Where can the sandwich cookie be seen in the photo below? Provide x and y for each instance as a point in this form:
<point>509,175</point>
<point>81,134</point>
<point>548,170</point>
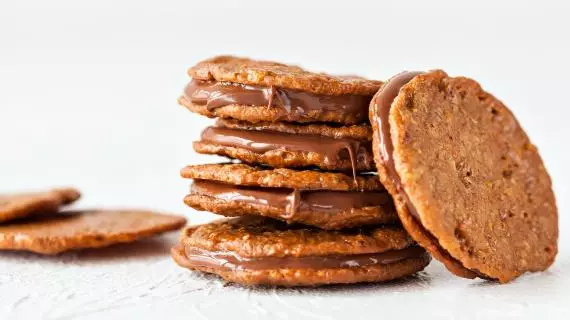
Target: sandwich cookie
<point>260,251</point>
<point>468,184</point>
<point>282,145</point>
<point>254,91</point>
<point>22,205</point>
<point>84,229</point>
<point>323,199</point>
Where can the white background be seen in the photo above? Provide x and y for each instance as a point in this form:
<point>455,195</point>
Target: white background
<point>88,98</point>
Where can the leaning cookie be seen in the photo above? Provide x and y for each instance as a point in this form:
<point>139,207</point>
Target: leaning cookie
<point>322,199</point>
<point>254,91</point>
<point>22,205</point>
<point>84,229</point>
<point>259,251</point>
<point>468,184</point>
<point>341,149</point>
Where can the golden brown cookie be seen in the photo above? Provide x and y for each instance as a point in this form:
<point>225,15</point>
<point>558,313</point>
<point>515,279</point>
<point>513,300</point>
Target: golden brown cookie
<point>21,205</point>
<point>254,91</point>
<point>259,251</point>
<point>279,150</point>
<point>361,132</point>
<point>468,184</point>
<point>269,73</point>
<point>290,196</point>
<point>84,229</point>
<point>255,176</point>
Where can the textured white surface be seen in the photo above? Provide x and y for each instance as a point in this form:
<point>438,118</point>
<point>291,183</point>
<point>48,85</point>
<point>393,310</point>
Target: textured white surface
<point>87,97</point>
<point>141,281</point>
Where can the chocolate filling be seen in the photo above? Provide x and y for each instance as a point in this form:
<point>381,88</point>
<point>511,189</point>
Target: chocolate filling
<point>215,94</point>
<point>383,102</point>
<point>292,201</point>
<point>233,262</point>
<point>264,141</point>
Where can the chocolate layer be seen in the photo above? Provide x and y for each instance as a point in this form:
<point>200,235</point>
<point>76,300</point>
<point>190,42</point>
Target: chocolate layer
<point>215,94</point>
<point>231,261</point>
<point>383,101</point>
<point>262,141</point>
<point>292,201</point>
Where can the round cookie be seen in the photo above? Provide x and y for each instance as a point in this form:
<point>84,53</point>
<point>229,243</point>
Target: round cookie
<point>361,132</point>
<point>22,205</point>
<point>288,195</point>
<point>468,184</point>
<point>254,91</point>
<point>246,175</point>
<point>259,251</point>
<point>85,229</point>
<point>270,73</point>
<point>279,149</point>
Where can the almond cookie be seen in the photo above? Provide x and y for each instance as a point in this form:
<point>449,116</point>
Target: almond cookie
<point>468,184</point>
<point>260,251</point>
<point>360,132</point>
<point>84,229</point>
<point>289,195</point>
<point>254,91</point>
<point>21,205</point>
<point>279,149</point>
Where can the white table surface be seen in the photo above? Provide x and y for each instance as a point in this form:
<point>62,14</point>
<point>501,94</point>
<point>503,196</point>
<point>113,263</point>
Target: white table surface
<point>114,283</point>
<point>87,98</point>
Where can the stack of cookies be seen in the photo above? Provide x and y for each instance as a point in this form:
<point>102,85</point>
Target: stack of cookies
<point>324,192</point>
<point>309,207</point>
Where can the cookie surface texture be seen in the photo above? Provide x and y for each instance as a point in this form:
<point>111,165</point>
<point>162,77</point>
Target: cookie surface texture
<point>84,229</point>
<point>468,184</point>
<point>22,205</point>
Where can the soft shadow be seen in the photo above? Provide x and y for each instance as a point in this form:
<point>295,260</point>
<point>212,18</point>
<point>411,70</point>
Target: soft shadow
<point>418,281</point>
<point>146,248</point>
<point>527,277</point>
<point>142,249</point>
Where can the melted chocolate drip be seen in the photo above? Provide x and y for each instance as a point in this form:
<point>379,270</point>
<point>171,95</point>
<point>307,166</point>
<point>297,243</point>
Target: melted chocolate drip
<point>215,94</point>
<point>383,102</point>
<point>263,141</point>
<point>292,200</point>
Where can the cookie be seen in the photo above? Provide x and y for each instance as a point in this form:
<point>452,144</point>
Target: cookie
<point>361,132</point>
<point>21,205</point>
<point>255,176</point>
<point>259,251</point>
<point>290,200</point>
<point>468,184</point>
<point>279,149</point>
<point>254,91</point>
<point>84,229</point>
